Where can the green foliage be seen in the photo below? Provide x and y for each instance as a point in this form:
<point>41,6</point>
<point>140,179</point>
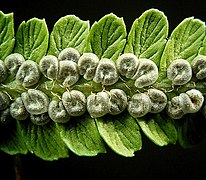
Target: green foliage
<point>184,43</point>
<point>159,129</point>
<point>44,141</point>
<point>121,133</point>
<point>81,136</point>
<point>147,37</point>
<point>32,39</point>
<point>7,39</point>
<point>69,31</point>
<point>107,38</point>
<point>12,141</point>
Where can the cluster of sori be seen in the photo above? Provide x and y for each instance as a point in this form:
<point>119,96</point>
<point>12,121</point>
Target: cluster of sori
<point>180,72</point>
<point>189,102</point>
<point>69,66</point>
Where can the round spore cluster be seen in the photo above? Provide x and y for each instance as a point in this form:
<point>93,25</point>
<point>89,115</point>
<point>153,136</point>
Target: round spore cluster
<point>41,105</point>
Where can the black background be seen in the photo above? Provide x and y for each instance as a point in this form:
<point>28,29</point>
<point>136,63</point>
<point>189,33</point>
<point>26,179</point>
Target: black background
<point>152,161</point>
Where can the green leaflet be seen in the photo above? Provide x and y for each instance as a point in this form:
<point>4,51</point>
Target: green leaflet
<point>184,42</point>
<point>81,136</point>
<point>69,31</point>
<point>191,130</point>
<point>32,39</point>
<point>44,141</point>
<point>202,50</point>
<point>159,129</point>
<point>12,141</point>
<point>7,39</point>
<point>121,133</point>
<point>107,37</point>
<point>147,37</point>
